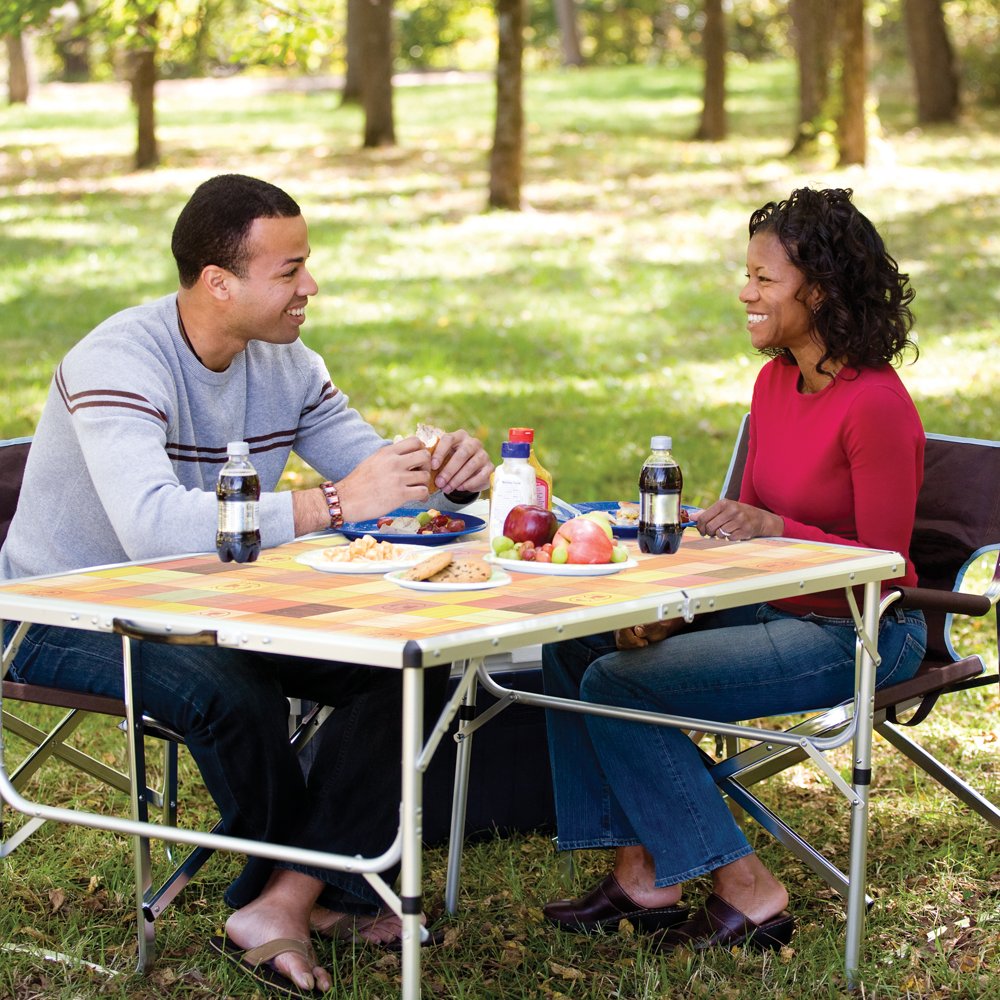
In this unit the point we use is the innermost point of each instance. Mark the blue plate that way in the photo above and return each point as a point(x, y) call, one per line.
point(623, 531)
point(355, 529)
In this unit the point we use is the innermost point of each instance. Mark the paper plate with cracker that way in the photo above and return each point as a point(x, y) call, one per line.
point(363, 555)
point(445, 571)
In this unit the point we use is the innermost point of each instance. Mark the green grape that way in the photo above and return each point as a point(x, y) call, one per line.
point(560, 554)
point(424, 517)
point(619, 554)
point(501, 544)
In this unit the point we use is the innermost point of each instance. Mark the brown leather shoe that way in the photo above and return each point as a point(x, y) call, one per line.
point(605, 906)
point(719, 925)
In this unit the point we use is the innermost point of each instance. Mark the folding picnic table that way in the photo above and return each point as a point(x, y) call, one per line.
point(278, 605)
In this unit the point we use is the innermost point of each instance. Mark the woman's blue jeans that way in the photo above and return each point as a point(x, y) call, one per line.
point(231, 707)
point(623, 783)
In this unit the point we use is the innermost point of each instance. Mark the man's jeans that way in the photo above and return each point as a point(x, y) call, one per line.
point(231, 708)
point(621, 783)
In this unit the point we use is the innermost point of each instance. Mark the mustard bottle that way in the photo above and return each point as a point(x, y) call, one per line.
point(543, 478)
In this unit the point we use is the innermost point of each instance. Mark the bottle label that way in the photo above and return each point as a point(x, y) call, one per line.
point(542, 495)
point(237, 516)
point(660, 508)
point(509, 489)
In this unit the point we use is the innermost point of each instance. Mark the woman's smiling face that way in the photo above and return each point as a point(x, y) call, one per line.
point(778, 304)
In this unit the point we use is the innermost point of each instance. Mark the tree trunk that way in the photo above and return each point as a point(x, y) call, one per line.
point(142, 77)
point(569, 32)
point(713, 109)
point(814, 25)
point(376, 73)
point(72, 44)
point(851, 133)
point(17, 69)
point(508, 133)
point(354, 44)
point(934, 68)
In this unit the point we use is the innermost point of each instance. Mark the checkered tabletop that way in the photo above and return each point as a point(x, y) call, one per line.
point(277, 592)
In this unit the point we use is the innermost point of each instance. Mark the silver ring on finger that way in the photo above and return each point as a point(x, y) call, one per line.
point(725, 534)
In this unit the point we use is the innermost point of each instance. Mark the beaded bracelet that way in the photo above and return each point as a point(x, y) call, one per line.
point(333, 505)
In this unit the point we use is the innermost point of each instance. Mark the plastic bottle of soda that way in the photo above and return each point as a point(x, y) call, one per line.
point(238, 491)
point(543, 478)
point(660, 484)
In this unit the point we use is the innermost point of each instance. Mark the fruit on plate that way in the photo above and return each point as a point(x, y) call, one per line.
point(603, 519)
point(586, 540)
point(528, 523)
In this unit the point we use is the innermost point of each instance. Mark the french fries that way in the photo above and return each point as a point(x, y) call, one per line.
point(365, 549)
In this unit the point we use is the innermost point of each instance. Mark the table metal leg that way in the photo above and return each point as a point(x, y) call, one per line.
point(459, 799)
point(411, 817)
point(864, 708)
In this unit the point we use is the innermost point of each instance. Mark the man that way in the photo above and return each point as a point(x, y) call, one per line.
point(123, 467)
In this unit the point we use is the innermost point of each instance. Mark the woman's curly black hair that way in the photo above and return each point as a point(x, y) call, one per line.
point(864, 317)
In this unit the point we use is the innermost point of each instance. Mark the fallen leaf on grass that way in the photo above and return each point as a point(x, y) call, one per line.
point(565, 971)
point(165, 977)
point(57, 899)
point(93, 884)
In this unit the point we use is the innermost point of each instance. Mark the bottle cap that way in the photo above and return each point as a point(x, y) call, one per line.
point(660, 442)
point(521, 434)
point(515, 449)
point(238, 448)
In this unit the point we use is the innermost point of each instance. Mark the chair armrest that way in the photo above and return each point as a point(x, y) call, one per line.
point(925, 599)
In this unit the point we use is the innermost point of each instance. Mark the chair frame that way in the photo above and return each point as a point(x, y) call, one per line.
point(150, 901)
point(739, 770)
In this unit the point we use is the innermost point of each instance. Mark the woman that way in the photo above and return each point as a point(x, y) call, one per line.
point(835, 455)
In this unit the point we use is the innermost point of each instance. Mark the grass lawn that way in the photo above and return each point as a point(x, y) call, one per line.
point(605, 312)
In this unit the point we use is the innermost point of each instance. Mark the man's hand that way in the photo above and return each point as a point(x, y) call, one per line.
point(643, 635)
point(394, 476)
point(460, 463)
point(736, 522)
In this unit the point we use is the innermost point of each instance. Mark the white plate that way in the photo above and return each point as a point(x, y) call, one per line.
point(498, 579)
point(317, 559)
point(562, 569)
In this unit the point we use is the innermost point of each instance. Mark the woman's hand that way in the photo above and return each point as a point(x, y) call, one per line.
point(642, 635)
point(736, 522)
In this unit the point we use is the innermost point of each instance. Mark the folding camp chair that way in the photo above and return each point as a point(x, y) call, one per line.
point(957, 523)
point(150, 901)
point(53, 744)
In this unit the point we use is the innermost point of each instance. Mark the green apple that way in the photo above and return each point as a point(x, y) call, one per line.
point(602, 519)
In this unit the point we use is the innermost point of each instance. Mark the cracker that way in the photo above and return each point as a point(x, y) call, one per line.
point(426, 568)
point(466, 570)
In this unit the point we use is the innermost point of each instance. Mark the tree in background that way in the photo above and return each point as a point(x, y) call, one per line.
point(376, 73)
point(142, 75)
point(350, 92)
point(814, 25)
point(712, 126)
point(508, 132)
point(852, 136)
point(17, 69)
point(569, 32)
point(933, 60)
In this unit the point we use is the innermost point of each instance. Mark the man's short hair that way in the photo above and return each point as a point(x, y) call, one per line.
point(214, 225)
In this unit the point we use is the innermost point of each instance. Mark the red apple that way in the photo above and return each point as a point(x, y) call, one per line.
point(585, 541)
point(528, 523)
